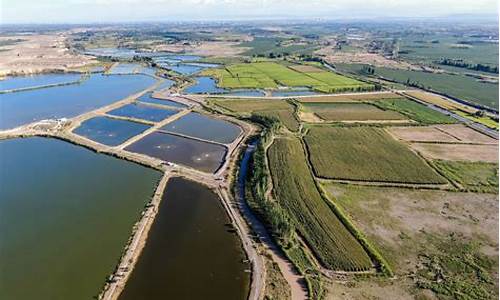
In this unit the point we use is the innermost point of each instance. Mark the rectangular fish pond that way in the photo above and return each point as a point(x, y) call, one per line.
point(68, 101)
point(148, 98)
point(204, 127)
point(109, 131)
point(204, 156)
point(192, 252)
point(143, 111)
point(66, 214)
point(22, 82)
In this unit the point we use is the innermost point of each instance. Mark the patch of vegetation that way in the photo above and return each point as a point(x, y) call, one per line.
point(473, 176)
point(270, 75)
point(456, 269)
point(275, 47)
point(350, 112)
point(485, 120)
point(365, 154)
point(276, 286)
point(415, 111)
point(279, 109)
point(296, 192)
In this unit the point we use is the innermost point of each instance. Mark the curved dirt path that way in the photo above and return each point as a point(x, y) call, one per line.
point(295, 281)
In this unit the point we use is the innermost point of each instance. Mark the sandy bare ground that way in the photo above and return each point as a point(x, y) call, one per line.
point(335, 56)
point(209, 48)
point(456, 133)
point(397, 221)
point(466, 134)
point(39, 53)
point(463, 152)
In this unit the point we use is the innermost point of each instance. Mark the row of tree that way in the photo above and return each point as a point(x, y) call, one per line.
point(462, 64)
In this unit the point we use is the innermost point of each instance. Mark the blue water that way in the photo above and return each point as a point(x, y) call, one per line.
point(184, 69)
point(204, 127)
point(143, 111)
point(148, 71)
point(165, 85)
point(246, 93)
point(68, 101)
point(125, 68)
point(109, 131)
point(204, 85)
point(19, 82)
point(149, 99)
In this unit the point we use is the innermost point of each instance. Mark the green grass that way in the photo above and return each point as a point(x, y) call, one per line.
point(279, 109)
point(473, 176)
point(415, 111)
point(350, 112)
point(296, 192)
point(265, 46)
point(270, 75)
point(365, 154)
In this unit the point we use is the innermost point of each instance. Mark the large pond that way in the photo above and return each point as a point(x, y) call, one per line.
point(203, 127)
point(200, 155)
point(68, 101)
point(165, 85)
point(143, 111)
point(191, 252)
point(109, 131)
point(148, 98)
point(65, 215)
point(125, 68)
point(22, 82)
point(208, 85)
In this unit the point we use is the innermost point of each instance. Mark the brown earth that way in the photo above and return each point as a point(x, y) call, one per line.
point(464, 152)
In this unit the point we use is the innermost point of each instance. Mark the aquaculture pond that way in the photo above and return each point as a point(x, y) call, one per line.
point(165, 85)
point(143, 111)
point(184, 69)
point(109, 131)
point(68, 101)
point(191, 251)
point(22, 82)
point(291, 93)
point(125, 68)
point(65, 215)
point(204, 85)
point(203, 127)
point(245, 93)
point(148, 98)
point(200, 155)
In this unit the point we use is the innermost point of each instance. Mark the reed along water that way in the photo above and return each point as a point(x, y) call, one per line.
point(191, 252)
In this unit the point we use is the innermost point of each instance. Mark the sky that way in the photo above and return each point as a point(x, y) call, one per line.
point(83, 11)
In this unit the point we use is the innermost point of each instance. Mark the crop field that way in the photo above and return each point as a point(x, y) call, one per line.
point(454, 133)
point(295, 190)
point(270, 75)
point(473, 176)
point(350, 98)
point(351, 112)
point(365, 154)
point(459, 86)
point(280, 109)
point(415, 111)
point(441, 101)
point(462, 152)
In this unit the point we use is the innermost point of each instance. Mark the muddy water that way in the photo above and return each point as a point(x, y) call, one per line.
point(68, 101)
point(109, 131)
point(200, 155)
point(143, 111)
point(204, 127)
point(65, 216)
point(191, 252)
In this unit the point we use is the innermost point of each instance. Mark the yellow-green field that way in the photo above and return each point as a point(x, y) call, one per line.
point(365, 154)
point(270, 75)
point(350, 112)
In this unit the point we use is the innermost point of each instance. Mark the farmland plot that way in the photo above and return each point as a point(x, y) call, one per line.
point(415, 111)
point(365, 154)
point(296, 192)
point(351, 112)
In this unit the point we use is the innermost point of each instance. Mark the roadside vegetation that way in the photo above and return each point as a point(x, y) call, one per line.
point(365, 154)
point(415, 111)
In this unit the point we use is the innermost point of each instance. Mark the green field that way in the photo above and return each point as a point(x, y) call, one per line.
point(276, 46)
point(365, 154)
point(270, 75)
point(415, 111)
point(473, 176)
point(485, 120)
point(350, 112)
point(295, 190)
point(279, 109)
